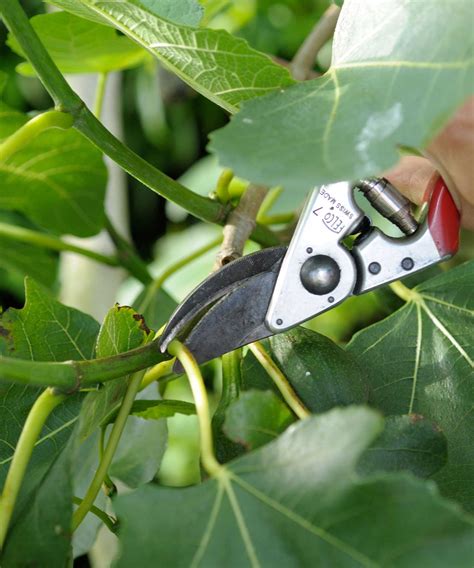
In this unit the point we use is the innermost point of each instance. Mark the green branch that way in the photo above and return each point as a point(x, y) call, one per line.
point(34, 127)
point(51, 242)
point(69, 376)
point(85, 121)
point(35, 421)
point(112, 444)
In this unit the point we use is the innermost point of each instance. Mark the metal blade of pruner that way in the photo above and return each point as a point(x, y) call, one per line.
point(275, 289)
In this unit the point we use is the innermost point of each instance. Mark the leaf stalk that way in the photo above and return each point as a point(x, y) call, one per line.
point(39, 413)
point(52, 242)
point(281, 382)
point(32, 129)
point(112, 444)
point(208, 458)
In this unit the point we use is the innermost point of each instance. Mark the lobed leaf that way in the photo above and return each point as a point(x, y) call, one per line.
point(123, 329)
point(22, 258)
point(223, 68)
point(41, 536)
point(80, 46)
point(408, 442)
point(57, 180)
point(158, 409)
point(46, 330)
point(141, 448)
point(256, 418)
point(389, 84)
point(322, 374)
point(421, 361)
point(298, 502)
point(143, 442)
point(43, 330)
point(185, 12)
point(231, 386)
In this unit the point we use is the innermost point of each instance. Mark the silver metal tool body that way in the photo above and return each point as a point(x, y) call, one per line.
point(275, 289)
point(330, 215)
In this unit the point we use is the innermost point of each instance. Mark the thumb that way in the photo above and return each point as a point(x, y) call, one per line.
point(451, 154)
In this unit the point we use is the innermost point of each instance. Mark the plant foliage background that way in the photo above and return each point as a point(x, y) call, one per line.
point(382, 471)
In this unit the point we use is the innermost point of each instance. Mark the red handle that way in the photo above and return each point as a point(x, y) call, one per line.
point(444, 219)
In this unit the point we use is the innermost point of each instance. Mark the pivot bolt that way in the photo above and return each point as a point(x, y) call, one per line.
point(320, 274)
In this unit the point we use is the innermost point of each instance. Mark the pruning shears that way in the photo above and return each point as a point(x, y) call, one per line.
point(277, 288)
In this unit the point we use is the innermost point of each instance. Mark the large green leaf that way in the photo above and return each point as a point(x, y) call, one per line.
point(298, 502)
point(322, 374)
point(408, 442)
point(41, 536)
point(143, 442)
point(256, 418)
point(158, 409)
point(25, 259)
point(57, 179)
point(123, 329)
point(221, 67)
point(231, 385)
point(10, 120)
point(399, 70)
point(44, 330)
point(141, 448)
point(420, 360)
point(79, 46)
point(186, 12)
point(3, 81)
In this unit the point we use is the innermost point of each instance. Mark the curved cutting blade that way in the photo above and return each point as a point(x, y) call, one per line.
point(228, 309)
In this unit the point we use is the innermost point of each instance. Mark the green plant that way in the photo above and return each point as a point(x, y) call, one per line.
point(316, 453)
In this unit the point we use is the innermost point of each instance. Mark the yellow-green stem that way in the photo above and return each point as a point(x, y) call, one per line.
point(35, 126)
point(403, 292)
point(222, 187)
point(280, 381)
point(157, 372)
point(208, 458)
point(112, 444)
point(269, 201)
point(277, 219)
point(99, 93)
point(52, 242)
point(35, 421)
point(108, 484)
point(108, 521)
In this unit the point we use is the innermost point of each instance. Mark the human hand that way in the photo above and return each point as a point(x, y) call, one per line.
point(451, 154)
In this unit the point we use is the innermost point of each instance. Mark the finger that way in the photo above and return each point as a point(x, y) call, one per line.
point(412, 176)
point(452, 153)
